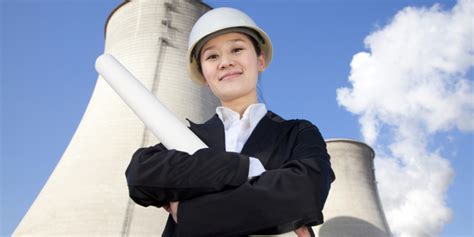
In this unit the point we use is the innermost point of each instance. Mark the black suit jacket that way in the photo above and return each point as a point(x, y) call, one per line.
point(216, 197)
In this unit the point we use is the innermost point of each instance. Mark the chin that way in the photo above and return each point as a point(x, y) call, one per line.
point(233, 92)
point(228, 97)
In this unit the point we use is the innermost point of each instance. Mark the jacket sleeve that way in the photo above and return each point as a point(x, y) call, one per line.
point(156, 176)
point(278, 201)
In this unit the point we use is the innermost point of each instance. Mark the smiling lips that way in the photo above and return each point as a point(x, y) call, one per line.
point(230, 75)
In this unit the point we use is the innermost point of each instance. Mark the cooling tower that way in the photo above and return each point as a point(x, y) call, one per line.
point(353, 206)
point(87, 195)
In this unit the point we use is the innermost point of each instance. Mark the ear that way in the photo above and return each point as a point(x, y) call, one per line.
point(261, 61)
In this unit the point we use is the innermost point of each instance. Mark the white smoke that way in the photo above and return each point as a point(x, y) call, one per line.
point(411, 85)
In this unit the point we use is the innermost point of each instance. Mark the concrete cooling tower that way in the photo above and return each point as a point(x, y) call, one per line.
point(87, 195)
point(353, 206)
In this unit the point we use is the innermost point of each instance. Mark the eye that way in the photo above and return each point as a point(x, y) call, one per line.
point(236, 50)
point(211, 57)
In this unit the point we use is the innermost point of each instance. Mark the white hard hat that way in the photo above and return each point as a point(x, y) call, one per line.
point(219, 21)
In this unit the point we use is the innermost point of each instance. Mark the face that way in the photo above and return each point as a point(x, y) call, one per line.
point(231, 66)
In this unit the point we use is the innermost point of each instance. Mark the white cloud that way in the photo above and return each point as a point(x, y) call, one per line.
point(412, 84)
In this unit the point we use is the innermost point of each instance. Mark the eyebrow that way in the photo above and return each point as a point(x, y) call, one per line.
point(212, 46)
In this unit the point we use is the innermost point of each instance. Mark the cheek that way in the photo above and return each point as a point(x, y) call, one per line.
point(253, 66)
point(206, 72)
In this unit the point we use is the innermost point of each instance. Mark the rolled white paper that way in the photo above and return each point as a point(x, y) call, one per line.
point(156, 117)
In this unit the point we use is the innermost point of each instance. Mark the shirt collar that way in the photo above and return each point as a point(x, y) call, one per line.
point(254, 113)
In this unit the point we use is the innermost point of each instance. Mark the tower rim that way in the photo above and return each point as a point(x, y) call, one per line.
point(125, 2)
point(348, 140)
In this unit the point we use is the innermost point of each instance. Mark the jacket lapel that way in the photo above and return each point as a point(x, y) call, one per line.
point(265, 133)
point(211, 132)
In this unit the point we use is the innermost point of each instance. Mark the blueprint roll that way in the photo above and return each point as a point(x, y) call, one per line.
point(156, 117)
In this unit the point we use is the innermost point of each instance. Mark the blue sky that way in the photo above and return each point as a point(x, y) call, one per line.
point(48, 50)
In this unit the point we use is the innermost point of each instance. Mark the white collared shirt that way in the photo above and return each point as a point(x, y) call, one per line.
point(237, 131)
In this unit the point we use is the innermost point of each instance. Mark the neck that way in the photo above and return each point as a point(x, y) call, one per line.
point(239, 105)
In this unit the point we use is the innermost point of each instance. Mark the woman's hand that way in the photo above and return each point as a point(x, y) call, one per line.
point(303, 232)
point(172, 208)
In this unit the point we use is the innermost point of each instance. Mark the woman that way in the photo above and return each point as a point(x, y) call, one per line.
point(261, 174)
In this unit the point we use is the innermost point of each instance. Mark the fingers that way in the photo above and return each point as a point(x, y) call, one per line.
point(174, 210)
point(303, 232)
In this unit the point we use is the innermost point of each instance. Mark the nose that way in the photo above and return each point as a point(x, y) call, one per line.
point(226, 62)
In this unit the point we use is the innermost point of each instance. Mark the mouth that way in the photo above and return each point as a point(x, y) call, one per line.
point(230, 75)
